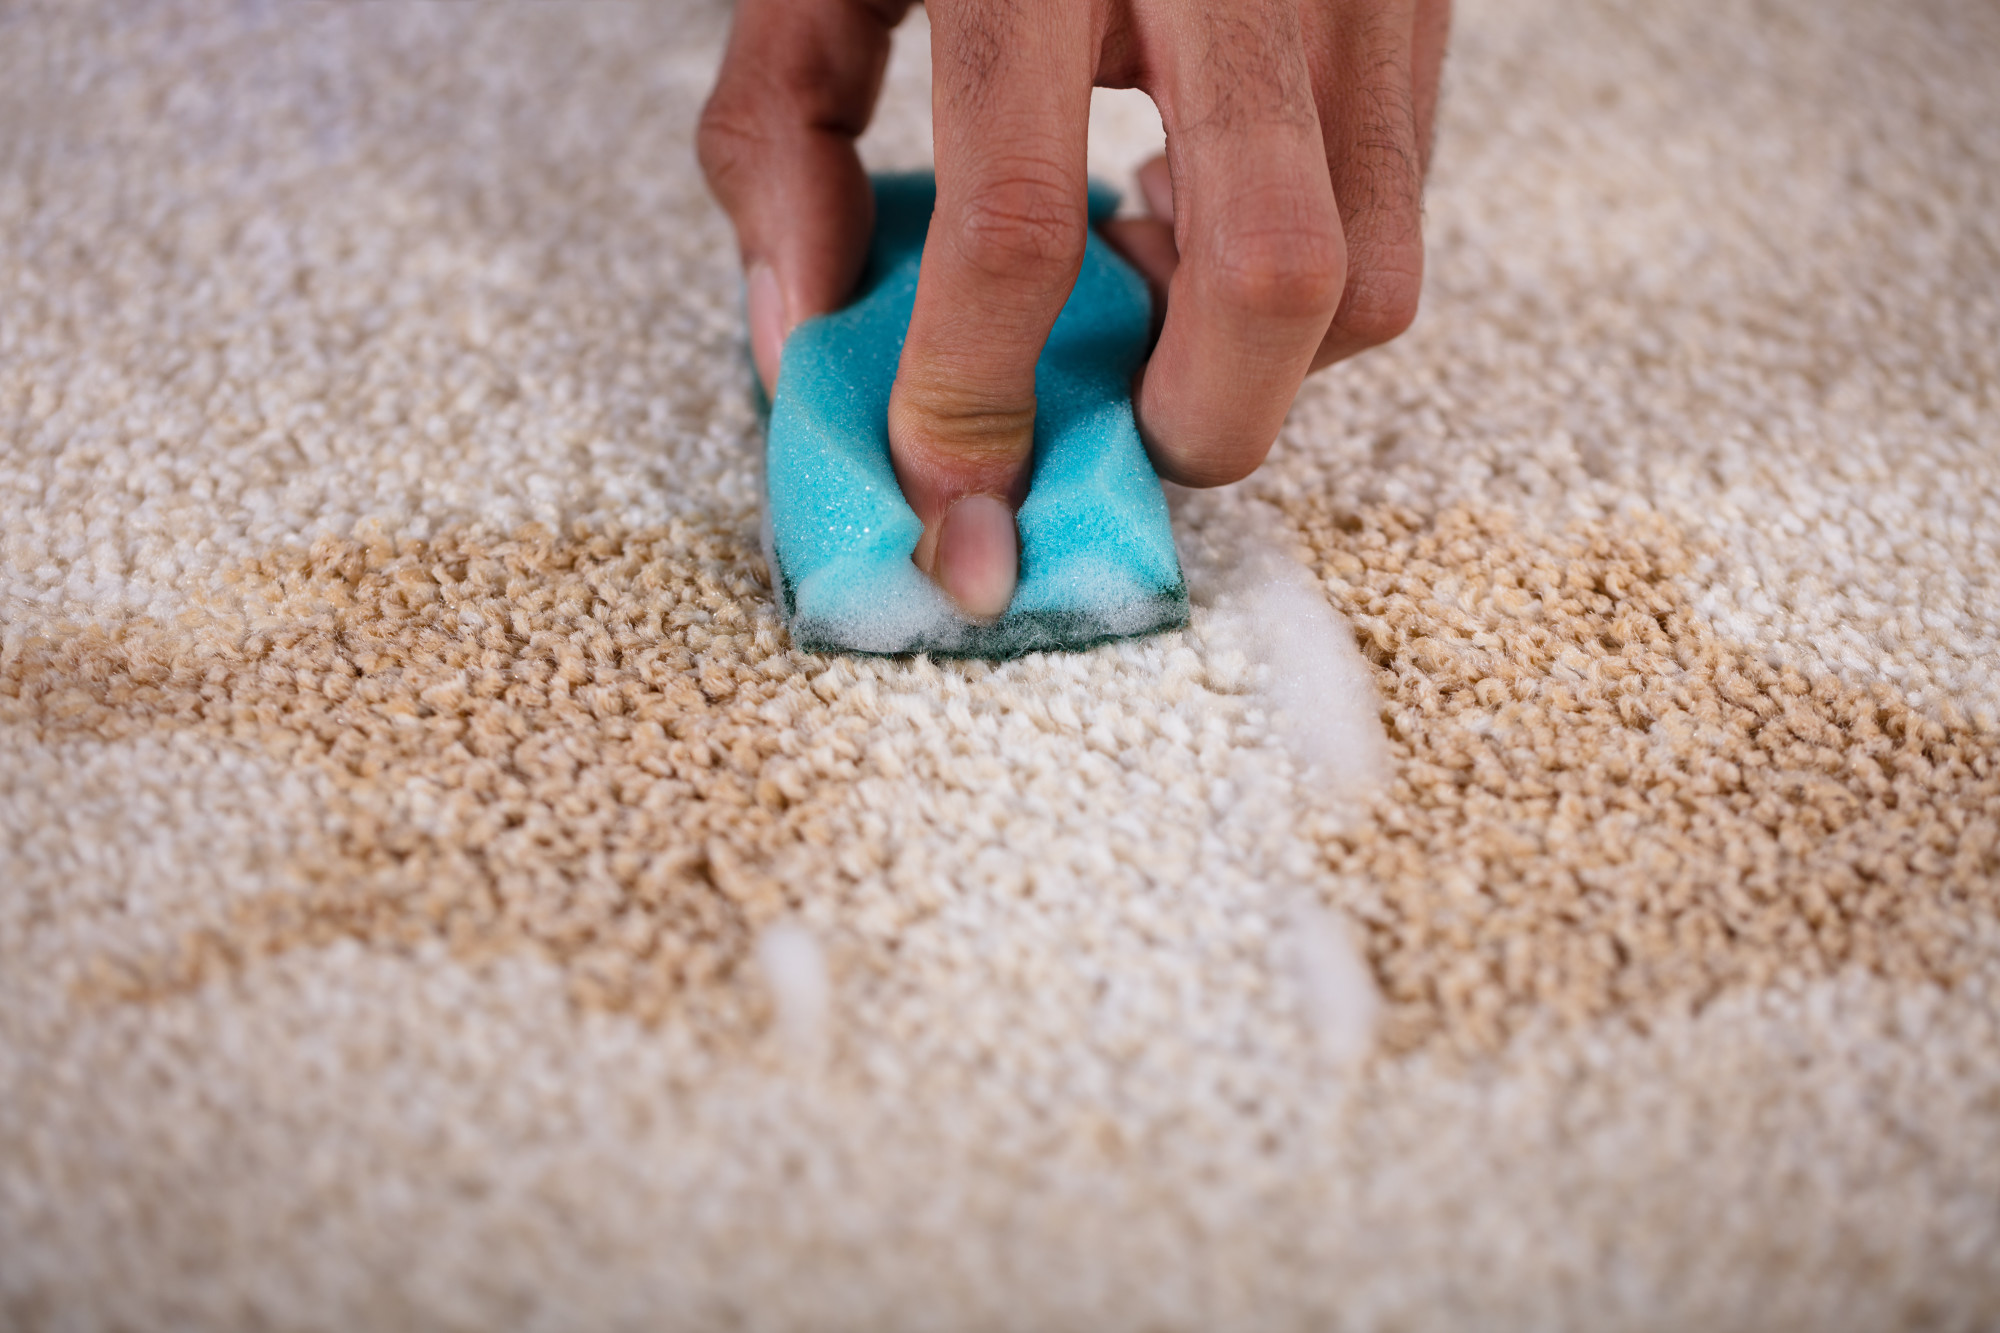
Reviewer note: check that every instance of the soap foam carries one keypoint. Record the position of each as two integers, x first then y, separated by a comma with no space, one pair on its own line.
1265,623
1097,551
795,973
1261,602
1336,989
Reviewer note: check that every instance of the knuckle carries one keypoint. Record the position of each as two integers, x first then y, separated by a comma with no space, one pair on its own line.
1023,223
963,419
973,428
728,139
1381,303
1295,271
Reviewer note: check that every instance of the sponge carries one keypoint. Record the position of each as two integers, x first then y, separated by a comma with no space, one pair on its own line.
1097,553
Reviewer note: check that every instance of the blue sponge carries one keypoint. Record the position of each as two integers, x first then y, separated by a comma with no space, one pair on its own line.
1097,554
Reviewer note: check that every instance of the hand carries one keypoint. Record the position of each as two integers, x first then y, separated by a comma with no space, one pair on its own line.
1286,231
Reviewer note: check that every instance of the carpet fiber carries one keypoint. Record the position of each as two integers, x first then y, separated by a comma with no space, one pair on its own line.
1553,882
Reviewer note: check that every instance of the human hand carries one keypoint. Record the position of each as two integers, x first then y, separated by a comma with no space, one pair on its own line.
1286,231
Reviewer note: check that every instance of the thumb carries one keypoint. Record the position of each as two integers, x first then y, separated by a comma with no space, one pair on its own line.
1006,240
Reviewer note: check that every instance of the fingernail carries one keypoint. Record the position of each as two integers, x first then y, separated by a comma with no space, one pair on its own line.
767,323
979,555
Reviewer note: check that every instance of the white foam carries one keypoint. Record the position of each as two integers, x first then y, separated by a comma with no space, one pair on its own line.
1262,603
1267,628
904,611
794,968
1336,989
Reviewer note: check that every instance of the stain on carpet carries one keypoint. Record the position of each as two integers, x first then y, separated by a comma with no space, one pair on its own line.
593,745
1603,807
602,747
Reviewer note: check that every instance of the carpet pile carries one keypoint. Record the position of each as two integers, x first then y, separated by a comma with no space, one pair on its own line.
1554,880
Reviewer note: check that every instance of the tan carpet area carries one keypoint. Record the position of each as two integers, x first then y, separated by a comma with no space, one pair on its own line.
1553,883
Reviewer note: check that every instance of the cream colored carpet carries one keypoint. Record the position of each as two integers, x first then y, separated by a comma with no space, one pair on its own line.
1555,883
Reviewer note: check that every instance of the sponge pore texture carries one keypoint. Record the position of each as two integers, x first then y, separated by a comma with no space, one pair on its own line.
1097,551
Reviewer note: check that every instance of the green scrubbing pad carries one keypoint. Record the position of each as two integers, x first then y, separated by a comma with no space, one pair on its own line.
1097,554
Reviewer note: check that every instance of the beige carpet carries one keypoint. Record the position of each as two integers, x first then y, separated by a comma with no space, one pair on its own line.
1555,883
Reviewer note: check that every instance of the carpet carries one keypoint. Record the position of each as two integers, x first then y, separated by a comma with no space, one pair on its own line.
1554,882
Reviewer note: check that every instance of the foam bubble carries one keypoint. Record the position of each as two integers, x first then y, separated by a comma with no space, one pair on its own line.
1261,602
794,969
1336,989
